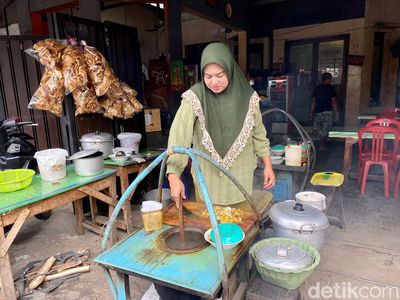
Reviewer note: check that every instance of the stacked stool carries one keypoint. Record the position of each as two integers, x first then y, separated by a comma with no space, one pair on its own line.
334,181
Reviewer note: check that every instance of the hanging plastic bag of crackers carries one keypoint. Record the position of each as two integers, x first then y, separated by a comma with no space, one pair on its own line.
50,93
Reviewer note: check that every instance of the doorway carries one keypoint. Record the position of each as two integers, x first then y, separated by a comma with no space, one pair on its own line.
307,60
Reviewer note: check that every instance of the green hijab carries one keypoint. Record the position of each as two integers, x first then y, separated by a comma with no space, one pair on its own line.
225,112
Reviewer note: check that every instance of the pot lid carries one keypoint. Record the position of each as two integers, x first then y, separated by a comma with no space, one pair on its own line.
97,137
284,256
86,154
292,215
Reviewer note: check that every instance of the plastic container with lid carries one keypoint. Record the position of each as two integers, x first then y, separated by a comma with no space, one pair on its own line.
152,215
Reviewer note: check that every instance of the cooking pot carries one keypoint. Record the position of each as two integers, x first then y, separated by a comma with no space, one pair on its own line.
284,256
88,162
299,222
101,141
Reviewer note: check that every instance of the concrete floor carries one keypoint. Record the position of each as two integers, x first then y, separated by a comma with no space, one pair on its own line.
365,256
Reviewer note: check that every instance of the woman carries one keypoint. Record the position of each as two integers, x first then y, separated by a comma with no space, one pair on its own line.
221,117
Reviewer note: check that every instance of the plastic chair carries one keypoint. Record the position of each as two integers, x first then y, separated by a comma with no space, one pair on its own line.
397,184
384,122
389,123
377,155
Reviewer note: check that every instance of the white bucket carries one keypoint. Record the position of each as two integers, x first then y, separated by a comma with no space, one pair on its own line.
293,155
52,164
313,199
130,140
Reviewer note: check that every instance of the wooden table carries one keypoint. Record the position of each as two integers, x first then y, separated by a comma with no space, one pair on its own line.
42,196
350,136
195,273
123,170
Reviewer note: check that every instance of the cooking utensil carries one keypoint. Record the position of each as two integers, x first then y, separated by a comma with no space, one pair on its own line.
88,162
287,279
181,220
300,222
284,256
170,240
101,141
199,218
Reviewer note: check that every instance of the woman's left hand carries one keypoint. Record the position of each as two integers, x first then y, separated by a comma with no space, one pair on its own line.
269,177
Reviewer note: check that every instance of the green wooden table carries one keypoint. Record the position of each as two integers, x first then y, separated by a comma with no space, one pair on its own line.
42,196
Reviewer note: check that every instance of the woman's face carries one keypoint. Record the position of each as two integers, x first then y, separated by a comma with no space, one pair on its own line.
215,78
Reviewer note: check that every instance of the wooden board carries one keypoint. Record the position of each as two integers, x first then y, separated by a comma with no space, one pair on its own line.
152,119
170,216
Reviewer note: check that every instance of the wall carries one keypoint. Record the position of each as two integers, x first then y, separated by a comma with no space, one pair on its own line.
387,13
210,31
238,20
355,28
142,19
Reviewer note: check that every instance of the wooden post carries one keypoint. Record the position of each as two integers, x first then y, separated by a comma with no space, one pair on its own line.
7,290
128,218
79,216
243,51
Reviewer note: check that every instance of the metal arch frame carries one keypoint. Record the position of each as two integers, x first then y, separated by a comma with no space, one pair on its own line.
117,291
305,137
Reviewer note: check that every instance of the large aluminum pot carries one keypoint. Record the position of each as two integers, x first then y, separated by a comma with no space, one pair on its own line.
101,141
88,162
299,222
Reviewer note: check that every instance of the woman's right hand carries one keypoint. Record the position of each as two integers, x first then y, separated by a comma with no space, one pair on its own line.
177,188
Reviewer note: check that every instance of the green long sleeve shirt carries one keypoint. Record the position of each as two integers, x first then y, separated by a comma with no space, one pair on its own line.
186,130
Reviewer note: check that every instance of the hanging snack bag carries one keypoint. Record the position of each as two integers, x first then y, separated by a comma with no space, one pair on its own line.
85,100
73,68
100,73
50,93
48,52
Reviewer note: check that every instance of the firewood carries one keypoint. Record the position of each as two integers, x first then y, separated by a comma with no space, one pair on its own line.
42,273
68,272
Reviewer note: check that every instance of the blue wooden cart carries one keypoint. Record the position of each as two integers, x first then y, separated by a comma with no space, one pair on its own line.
201,273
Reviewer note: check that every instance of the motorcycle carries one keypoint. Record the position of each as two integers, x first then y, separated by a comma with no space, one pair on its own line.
16,150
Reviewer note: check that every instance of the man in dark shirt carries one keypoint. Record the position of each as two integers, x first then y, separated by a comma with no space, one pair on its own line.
324,108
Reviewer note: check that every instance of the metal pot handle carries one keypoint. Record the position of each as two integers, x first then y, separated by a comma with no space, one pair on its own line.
98,139
304,225
282,251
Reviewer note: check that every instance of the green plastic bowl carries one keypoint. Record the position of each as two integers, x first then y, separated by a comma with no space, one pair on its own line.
287,279
14,180
231,233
